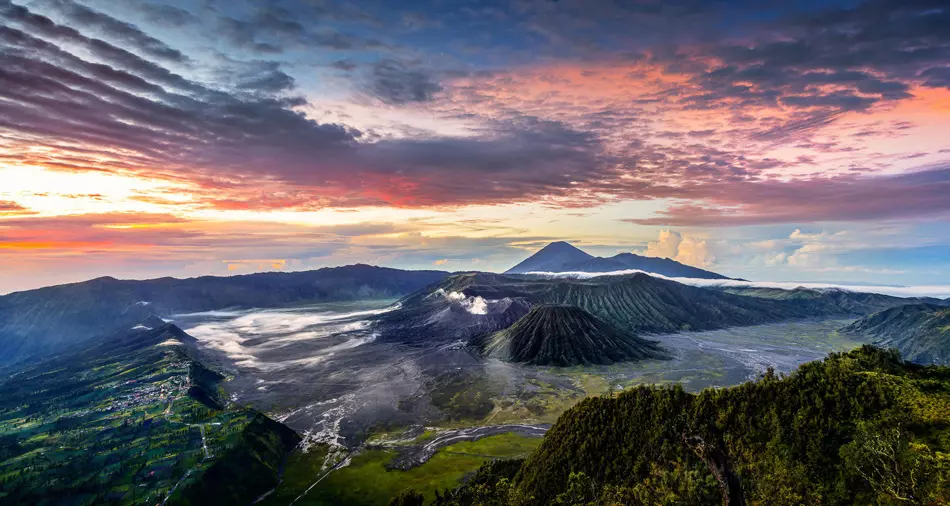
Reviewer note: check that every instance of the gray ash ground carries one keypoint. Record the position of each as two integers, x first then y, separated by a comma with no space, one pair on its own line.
320,370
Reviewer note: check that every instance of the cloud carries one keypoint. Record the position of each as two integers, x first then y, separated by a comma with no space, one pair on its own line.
939,291
667,246
842,198
692,123
936,77
274,29
344,65
166,15
397,83
120,31
265,77
688,250
167,125
10,208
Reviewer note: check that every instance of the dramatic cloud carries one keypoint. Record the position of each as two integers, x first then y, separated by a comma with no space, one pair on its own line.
648,115
124,33
844,198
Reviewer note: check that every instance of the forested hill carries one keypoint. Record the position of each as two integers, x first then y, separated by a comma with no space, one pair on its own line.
42,320
857,428
921,332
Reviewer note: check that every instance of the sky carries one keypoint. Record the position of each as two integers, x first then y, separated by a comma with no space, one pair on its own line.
769,140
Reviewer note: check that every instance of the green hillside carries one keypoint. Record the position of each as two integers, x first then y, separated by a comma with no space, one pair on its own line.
130,419
861,428
921,332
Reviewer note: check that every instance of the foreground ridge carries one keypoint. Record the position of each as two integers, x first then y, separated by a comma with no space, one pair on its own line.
806,438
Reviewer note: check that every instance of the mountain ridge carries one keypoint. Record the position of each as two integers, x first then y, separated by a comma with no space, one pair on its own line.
561,256
140,401
920,332
551,257
35,321
480,303
802,438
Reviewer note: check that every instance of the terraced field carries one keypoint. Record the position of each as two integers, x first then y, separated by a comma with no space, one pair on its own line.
133,420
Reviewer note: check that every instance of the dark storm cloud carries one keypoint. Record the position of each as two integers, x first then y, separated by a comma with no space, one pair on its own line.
396,83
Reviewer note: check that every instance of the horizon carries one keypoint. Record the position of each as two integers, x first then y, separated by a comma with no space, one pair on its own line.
796,142
931,290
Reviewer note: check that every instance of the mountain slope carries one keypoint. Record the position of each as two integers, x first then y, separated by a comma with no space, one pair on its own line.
857,428
845,301
551,258
636,303
921,332
562,257
38,321
124,419
629,261
565,336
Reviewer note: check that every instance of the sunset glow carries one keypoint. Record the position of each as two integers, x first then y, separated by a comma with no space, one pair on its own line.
153,138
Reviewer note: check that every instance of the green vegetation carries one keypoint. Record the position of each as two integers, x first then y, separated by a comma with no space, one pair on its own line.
565,336
462,397
247,470
862,427
128,420
367,480
921,332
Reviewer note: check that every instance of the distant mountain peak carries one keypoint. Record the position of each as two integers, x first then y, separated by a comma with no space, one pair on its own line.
561,256
551,258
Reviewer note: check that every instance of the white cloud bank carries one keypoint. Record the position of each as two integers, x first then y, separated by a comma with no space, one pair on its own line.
939,291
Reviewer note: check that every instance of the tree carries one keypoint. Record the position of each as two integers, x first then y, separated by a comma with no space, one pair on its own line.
894,467
408,497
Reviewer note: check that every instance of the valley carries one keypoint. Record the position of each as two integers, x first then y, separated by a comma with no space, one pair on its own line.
350,385
384,407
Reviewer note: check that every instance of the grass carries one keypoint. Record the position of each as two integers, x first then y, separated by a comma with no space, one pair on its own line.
300,471
367,482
